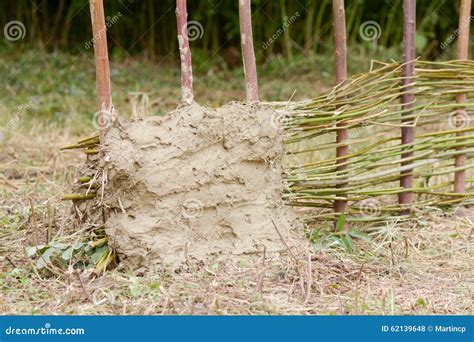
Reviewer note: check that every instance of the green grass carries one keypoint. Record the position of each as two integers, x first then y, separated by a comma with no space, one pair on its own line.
59,89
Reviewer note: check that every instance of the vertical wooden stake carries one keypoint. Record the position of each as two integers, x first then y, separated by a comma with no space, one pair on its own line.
248,53
408,131
184,52
101,63
341,75
461,115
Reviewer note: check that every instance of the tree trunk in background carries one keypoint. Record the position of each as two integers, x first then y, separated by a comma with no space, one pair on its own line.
462,119
151,24
286,32
408,132
309,24
340,51
248,53
184,52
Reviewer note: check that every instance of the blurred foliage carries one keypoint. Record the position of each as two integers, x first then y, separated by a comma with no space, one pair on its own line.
149,27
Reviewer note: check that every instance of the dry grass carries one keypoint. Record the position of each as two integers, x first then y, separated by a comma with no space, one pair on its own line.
419,267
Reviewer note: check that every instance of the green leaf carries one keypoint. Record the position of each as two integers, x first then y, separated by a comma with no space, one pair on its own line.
358,234
67,254
48,253
58,245
79,245
41,263
45,256
348,243
80,265
135,290
98,253
420,302
341,220
30,251
334,241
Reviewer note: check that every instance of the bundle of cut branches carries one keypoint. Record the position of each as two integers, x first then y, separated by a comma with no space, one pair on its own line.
368,105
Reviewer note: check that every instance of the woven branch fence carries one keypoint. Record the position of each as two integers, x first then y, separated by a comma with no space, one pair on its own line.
368,106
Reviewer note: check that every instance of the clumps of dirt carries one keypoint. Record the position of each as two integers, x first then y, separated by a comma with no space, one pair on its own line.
198,184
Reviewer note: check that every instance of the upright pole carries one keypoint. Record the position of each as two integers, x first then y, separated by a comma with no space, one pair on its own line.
408,131
248,53
341,74
461,115
101,63
184,52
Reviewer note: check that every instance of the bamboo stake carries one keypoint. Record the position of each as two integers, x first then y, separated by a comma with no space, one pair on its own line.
184,52
248,53
341,75
101,63
408,132
461,115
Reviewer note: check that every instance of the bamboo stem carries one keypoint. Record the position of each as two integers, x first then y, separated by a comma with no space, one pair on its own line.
407,133
77,197
461,115
104,93
341,75
248,53
370,111
184,52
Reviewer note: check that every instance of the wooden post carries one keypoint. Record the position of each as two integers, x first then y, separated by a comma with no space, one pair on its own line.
461,115
341,75
184,52
408,131
248,53
101,63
